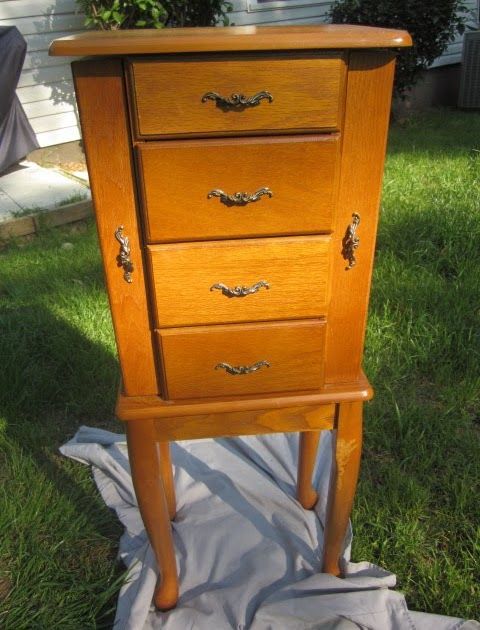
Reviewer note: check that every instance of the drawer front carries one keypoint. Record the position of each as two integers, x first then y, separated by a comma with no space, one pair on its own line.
243,359
176,97
286,186
239,281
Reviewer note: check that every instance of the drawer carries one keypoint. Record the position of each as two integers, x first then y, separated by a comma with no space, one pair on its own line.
170,96
209,361
290,183
238,281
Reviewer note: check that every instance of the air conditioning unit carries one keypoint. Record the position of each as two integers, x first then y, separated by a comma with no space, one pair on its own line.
469,94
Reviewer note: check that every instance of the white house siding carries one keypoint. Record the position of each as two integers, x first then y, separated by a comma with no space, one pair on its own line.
279,11
453,54
46,88
311,11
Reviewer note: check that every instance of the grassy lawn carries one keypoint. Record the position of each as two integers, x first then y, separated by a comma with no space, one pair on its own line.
417,511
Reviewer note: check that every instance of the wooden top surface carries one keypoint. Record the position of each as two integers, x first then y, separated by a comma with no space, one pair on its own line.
232,38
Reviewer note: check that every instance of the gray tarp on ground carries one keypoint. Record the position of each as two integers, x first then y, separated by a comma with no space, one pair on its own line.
248,554
16,135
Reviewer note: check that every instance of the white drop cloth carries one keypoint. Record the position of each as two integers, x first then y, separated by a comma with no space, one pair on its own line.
248,555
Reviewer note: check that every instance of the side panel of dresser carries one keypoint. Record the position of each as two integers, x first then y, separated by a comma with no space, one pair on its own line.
367,113
100,91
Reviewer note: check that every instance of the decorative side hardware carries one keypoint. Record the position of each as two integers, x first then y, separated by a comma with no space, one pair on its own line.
242,369
237,100
351,241
123,258
239,291
239,198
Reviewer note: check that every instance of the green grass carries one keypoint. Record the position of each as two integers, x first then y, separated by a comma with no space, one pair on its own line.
58,540
417,510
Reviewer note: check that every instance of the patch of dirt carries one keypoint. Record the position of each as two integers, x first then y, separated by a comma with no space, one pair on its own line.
6,587
68,157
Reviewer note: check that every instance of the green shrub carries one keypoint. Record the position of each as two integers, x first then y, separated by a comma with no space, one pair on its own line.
431,23
111,15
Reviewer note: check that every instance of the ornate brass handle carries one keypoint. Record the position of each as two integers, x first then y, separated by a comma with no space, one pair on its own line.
351,241
239,198
239,291
236,99
123,258
242,369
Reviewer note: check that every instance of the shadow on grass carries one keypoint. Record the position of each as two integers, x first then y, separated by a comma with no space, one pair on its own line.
426,279
54,379
422,446
445,132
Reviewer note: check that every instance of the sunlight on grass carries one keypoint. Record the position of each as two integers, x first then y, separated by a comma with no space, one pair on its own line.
421,469
417,509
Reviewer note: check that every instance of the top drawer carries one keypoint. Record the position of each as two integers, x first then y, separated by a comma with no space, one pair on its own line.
290,93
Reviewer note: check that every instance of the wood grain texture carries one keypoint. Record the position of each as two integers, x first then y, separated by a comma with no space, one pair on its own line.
167,94
134,408
294,351
234,38
296,269
309,324
167,477
144,456
101,100
346,452
307,455
257,422
301,172
367,114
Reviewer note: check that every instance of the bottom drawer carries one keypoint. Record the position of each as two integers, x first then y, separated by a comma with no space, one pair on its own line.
208,361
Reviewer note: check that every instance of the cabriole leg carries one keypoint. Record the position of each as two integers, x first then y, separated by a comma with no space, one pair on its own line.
148,473
347,448
308,445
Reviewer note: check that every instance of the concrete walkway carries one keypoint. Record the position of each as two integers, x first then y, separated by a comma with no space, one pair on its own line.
28,191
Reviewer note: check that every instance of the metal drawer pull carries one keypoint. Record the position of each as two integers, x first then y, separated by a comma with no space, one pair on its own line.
123,258
239,198
239,291
236,99
351,241
242,369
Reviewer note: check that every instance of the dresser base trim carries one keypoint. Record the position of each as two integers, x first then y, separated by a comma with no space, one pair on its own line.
131,408
256,422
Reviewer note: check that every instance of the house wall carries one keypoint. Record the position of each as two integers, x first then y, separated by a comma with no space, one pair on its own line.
453,54
46,89
279,11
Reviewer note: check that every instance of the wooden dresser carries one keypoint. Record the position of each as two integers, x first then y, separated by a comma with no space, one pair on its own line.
236,175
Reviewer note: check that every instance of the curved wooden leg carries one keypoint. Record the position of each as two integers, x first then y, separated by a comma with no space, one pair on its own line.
167,476
144,454
308,445
347,448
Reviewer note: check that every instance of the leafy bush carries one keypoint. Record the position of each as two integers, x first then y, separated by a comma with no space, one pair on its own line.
111,15
431,23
